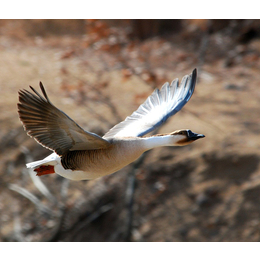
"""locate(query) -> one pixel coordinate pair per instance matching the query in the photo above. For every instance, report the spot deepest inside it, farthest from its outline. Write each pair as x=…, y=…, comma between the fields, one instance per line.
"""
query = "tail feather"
x=49, y=160
x=35, y=164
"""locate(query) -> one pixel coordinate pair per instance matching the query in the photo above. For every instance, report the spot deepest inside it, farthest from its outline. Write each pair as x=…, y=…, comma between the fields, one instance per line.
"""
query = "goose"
x=83, y=155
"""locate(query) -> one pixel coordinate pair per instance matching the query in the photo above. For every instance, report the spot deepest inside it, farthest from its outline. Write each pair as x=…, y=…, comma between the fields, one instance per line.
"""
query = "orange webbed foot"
x=44, y=169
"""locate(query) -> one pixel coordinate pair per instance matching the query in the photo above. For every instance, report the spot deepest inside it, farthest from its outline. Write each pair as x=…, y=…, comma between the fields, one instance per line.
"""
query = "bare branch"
x=27, y=194
x=17, y=230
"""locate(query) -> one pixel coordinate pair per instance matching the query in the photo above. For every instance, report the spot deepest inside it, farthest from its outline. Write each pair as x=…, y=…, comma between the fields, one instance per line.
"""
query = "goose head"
x=185, y=136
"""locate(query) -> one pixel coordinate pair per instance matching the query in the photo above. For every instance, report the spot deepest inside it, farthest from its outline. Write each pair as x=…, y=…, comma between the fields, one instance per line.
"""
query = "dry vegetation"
x=98, y=72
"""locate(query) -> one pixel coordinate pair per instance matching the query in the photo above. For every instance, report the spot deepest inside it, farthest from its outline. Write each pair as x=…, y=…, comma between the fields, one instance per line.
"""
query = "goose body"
x=82, y=155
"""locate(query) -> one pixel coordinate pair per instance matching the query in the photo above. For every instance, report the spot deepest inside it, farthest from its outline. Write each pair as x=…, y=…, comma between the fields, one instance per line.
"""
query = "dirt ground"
x=98, y=73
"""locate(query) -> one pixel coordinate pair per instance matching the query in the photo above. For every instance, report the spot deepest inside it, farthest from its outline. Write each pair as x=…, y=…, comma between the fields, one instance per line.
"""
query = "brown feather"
x=51, y=127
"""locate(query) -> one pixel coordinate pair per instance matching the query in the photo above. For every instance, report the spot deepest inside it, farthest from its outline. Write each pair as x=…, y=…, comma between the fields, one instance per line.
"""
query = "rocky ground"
x=98, y=74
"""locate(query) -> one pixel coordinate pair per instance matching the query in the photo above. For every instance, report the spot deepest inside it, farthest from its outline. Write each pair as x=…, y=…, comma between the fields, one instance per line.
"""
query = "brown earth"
x=98, y=74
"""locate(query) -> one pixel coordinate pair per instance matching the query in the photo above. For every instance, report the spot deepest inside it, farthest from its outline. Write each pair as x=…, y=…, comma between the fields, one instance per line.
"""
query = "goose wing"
x=51, y=127
x=157, y=108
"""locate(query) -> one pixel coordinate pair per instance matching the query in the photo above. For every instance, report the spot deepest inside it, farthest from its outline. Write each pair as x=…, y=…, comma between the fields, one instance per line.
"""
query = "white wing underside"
x=157, y=108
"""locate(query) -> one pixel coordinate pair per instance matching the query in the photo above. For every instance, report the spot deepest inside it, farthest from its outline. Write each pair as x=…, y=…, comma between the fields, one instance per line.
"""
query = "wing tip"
x=193, y=80
x=44, y=92
x=194, y=75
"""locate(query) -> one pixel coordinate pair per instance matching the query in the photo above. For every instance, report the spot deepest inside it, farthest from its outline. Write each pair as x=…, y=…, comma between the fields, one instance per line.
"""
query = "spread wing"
x=157, y=108
x=51, y=127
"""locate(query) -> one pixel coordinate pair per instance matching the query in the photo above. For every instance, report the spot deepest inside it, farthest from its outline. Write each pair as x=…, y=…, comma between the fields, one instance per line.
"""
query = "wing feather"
x=51, y=127
x=157, y=108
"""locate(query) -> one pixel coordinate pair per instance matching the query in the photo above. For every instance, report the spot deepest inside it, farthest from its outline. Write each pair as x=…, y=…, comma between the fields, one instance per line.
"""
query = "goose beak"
x=193, y=136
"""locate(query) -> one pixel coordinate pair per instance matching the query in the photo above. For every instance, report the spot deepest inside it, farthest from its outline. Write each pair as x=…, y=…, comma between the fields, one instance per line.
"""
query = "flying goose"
x=82, y=155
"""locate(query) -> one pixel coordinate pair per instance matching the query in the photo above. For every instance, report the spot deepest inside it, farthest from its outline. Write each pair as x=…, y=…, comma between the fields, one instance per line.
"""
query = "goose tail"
x=49, y=160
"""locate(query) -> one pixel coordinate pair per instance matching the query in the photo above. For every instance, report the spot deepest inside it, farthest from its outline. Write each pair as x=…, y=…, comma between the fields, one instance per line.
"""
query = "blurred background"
x=99, y=72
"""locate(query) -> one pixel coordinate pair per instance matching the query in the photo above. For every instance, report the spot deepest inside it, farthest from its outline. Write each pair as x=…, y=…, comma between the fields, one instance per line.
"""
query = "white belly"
x=99, y=166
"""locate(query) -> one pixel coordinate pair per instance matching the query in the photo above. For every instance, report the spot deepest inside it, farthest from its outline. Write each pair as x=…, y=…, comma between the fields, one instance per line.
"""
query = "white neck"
x=160, y=140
